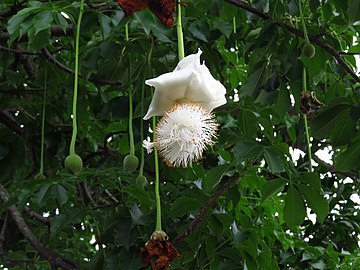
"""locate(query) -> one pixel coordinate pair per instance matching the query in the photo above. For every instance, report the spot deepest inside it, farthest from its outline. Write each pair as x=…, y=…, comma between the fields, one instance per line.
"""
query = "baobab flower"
x=185, y=98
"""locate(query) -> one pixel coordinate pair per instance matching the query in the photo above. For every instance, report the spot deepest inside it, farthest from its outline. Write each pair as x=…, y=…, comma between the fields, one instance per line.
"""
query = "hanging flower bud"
x=73, y=163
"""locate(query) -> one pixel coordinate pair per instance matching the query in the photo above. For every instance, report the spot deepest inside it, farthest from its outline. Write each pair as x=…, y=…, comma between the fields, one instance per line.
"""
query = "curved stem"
x=306, y=124
x=131, y=133
x=156, y=158
x=142, y=152
x=180, y=34
x=234, y=25
x=308, y=141
x=41, y=171
x=77, y=41
x=157, y=184
x=303, y=23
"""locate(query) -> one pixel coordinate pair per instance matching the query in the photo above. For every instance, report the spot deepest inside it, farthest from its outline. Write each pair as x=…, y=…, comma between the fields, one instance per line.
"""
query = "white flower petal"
x=205, y=90
x=189, y=60
x=149, y=146
x=190, y=82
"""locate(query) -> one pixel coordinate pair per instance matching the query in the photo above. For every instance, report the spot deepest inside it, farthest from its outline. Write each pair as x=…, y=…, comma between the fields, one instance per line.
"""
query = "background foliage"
x=100, y=218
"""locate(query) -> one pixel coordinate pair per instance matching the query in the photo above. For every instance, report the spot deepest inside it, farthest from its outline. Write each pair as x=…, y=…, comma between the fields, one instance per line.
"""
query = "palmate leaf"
x=349, y=159
x=271, y=187
x=294, y=210
x=315, y=200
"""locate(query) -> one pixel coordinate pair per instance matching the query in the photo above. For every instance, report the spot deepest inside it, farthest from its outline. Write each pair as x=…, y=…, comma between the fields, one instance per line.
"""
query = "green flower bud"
x=141, y=181
x=73, y=163
x=40, y=176
x=130, y=163
x=308, y=50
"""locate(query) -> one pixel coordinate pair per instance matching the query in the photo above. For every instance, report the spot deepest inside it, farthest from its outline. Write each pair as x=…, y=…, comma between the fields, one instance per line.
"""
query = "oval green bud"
x=141, y=181
x=308, y=50
x=130, y=163
x=73, y=163
x=40, y=176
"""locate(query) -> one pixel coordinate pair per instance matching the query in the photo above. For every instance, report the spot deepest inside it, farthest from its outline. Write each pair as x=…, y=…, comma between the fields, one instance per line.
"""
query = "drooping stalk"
x=158, y=226
x=131, y=134
x=41, y=171
x=180, y=36
x=157, y=183
x=142, y=152
x=303, y=23
x=234, y=25
x=306, y=124
x=76, y=79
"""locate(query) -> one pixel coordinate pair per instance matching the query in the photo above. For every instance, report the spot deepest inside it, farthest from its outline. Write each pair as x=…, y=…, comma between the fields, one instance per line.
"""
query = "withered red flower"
x=163, y=9
x=158, y=254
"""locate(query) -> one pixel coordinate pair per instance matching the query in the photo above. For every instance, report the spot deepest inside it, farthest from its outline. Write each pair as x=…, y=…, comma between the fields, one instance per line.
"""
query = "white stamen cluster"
x=183, y=134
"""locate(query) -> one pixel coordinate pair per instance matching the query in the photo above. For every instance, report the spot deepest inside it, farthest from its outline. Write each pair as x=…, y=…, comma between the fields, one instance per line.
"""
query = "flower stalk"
x=131, y=133
x=306, y=124
x=41, y=170
x=303, y=23
x=180, y=35
x=158, y=226
x=76, y=80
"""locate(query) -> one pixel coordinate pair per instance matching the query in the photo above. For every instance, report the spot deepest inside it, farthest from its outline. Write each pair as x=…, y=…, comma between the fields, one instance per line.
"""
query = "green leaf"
x=42, y=21
x=312, y=179
x=275, y=159
x=41, y=195
x=349, y=159
x=283, y=102
x=184, y=205
x=61, y=21
x=328, y=118
x=253, y=83
x=213, y=177
x=248, y=123
x=354, y=11
x=199, y=29
x=271, y=187
x=315, y=201
x=140, y=194
x=137, y=216
x=246, y=150
x=294, y=210
x=105, y=23
x=344, y=130
x=61, y=194
x=40, y=40
x=96, y=262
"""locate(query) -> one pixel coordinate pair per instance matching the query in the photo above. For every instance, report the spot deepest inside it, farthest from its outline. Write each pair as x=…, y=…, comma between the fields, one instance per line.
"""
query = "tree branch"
x=3, y=48
x=53, y=60
x=30, y=237
x=2, y=234
x=200, y=216
x=317, y=40
x=55, y=30
x=330, y=168
x=95, y=6
x=7, y=121
x=36, y=216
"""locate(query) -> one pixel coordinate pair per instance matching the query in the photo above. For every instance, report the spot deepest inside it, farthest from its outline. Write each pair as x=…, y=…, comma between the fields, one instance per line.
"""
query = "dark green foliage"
x=101, y=216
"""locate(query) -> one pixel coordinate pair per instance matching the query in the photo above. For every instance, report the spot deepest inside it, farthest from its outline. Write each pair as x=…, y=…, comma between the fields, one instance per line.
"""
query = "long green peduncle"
x=41, y=171
x=131, y=133
x=180, y=36
x=76, y=79
x=306, y=124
